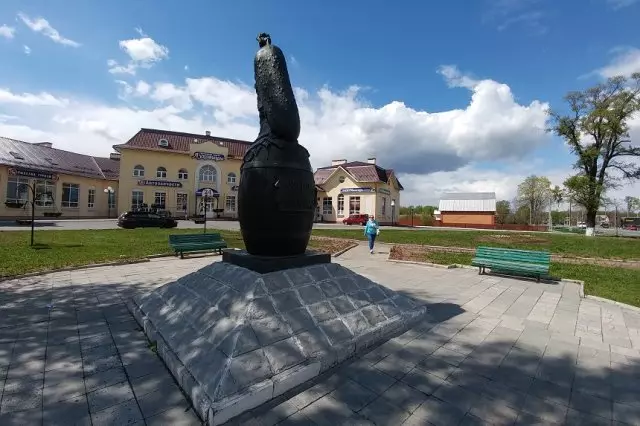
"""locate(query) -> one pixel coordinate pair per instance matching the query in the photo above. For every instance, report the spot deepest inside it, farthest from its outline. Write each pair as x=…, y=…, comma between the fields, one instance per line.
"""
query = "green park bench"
x=182, y=243
x=512, y=261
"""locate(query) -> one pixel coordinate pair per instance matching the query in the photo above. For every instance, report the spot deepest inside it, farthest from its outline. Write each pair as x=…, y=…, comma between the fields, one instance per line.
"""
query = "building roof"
x=42, y=156
x=359, y=171
x=468, y=202
x=180, y=142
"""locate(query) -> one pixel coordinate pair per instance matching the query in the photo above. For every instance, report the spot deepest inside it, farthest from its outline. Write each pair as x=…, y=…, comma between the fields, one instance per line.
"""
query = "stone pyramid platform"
x=234, y=339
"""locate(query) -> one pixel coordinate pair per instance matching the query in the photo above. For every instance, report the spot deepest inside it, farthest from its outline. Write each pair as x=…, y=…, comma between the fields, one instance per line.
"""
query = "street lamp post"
x=32, y=188
x=393, y=211
x=411, y=212
x=206, y=193
x=109, y=191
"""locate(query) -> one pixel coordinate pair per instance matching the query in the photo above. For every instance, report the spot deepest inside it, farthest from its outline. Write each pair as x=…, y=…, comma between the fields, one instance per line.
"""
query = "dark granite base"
x=266, y=264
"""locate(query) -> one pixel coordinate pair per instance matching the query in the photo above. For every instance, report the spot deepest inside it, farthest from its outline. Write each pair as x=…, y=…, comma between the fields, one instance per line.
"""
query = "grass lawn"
x=561, y=244
x=58, y=249
x=619, y=284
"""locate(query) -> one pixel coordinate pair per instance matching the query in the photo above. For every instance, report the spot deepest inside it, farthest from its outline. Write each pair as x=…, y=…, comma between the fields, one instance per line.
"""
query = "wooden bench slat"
x=520, y=261
x=182, y=243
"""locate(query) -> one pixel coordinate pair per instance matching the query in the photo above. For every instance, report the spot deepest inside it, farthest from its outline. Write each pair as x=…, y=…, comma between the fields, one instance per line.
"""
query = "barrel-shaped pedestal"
x=276, y=207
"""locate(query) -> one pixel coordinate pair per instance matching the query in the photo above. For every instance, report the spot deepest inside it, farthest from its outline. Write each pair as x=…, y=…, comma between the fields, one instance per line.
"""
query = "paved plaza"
x=493, y=351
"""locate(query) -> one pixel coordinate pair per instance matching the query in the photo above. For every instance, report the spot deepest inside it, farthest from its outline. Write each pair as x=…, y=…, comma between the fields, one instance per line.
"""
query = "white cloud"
x=625, y=62
x=30, y=99
x=526, y=14
x=143, y=52
x=42, y=26
x=431, y=151
x=7, y=31
x=27, y=49
x=619, y=4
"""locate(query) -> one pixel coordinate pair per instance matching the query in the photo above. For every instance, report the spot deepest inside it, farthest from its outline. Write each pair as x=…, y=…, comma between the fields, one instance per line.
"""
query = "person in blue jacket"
x=371, y=230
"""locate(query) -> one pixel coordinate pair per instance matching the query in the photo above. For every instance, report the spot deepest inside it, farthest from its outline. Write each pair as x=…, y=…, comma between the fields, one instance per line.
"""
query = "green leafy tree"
x=534, y=192
x=503, y=210
x=597, y=132
x=632, y=204
x=557, y=194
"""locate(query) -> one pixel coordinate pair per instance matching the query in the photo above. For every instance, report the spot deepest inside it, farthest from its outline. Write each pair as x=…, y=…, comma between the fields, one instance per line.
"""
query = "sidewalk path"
x=493, y=351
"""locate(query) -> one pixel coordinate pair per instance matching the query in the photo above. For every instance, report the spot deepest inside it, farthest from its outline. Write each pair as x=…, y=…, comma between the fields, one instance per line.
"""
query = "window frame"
x=68, y=204
x=352, y=200
x=137, y=206
x=327, y=205
x=91, y=204
x=138, y=171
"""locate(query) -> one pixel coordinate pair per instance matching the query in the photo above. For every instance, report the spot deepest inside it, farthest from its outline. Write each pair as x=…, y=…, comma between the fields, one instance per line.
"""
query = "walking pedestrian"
x=371, y=230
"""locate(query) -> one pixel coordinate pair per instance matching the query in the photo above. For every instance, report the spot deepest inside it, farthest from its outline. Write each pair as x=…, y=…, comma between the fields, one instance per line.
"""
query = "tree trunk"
x=591, y=221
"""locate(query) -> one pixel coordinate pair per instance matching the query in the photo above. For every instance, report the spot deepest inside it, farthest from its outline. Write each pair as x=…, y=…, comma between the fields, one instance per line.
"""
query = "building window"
x=341, y=179
x=230, y=203
x=160, y=200
x=208, y=174
x=183, y=174
x=327, y=207
x=231, y=178
x=45, y=193
x=138, y=171
x=17, y=190
x=354, y=205
x=182, y=202
x=111, y=200
x=384, y=206
x=161, y=172
x=91, y=200
x=341, y=205
x=70, y=195
x=137, y=199
x=163, y=143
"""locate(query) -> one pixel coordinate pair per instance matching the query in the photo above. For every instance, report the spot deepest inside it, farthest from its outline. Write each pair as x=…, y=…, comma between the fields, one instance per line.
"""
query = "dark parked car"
x=130, y=220
x=356, y=219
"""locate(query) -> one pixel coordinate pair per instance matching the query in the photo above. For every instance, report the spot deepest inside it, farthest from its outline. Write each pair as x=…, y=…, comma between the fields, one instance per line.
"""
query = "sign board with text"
x=207, y=156
x=166, y=183
x=36, y=174
x=356, y=190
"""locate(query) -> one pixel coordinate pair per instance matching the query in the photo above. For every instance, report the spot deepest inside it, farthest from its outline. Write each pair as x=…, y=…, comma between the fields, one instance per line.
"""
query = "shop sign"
x=354, y=190
x=384, y=191
x=168, y=183
x=207, y=192
x=207, y=156
x=37, y=174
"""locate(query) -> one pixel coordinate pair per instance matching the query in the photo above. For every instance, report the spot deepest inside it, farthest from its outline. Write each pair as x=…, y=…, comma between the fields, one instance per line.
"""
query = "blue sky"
x=450, y=93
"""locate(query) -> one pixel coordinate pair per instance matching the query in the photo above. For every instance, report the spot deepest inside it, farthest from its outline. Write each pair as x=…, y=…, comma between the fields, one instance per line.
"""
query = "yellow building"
x=66, y=184
x=348, y=188
x=174, y=171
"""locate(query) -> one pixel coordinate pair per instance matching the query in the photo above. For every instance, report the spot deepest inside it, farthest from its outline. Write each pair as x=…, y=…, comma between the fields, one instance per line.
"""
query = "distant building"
x=471, y=208
x=66, y=184
x=356, y=187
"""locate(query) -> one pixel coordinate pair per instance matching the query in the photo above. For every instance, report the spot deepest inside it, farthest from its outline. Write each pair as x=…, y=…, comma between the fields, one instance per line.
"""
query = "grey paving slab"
x=520, y=351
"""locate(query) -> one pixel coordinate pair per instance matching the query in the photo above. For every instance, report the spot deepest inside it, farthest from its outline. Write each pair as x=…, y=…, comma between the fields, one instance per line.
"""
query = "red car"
x=356, y=219
x=630, y=228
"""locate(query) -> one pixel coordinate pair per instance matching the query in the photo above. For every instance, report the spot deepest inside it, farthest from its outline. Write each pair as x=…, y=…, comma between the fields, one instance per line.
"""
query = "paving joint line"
x=126, y=374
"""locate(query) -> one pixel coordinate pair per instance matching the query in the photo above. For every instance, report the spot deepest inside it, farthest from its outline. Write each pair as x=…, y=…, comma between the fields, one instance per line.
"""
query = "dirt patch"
x=330, y=245
x=515, y=238
x=401, y=252
x=417, y=253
